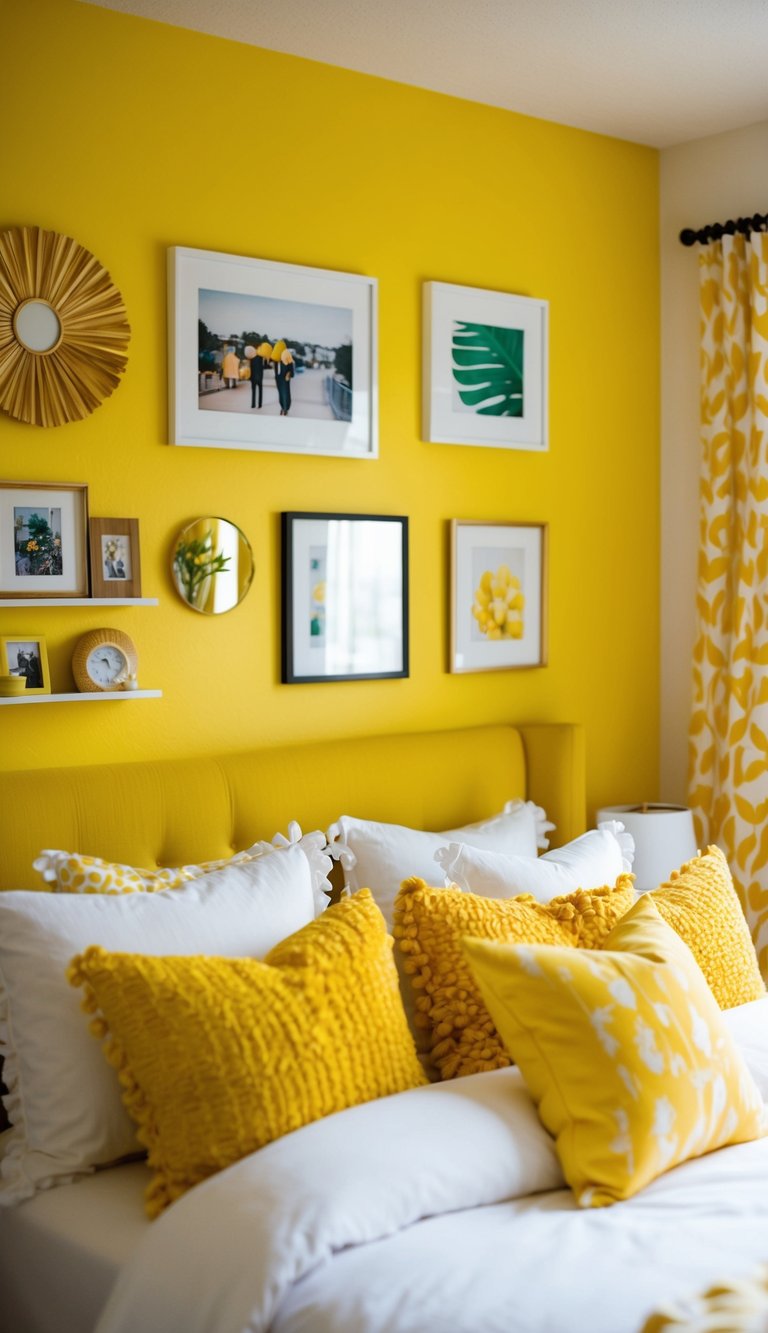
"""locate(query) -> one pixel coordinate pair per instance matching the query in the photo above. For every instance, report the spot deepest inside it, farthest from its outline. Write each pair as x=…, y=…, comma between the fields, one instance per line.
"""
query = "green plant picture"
x=488, y=368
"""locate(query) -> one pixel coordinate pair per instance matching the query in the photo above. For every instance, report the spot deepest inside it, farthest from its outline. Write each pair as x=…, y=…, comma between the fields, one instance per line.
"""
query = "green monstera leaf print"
x=488, y=367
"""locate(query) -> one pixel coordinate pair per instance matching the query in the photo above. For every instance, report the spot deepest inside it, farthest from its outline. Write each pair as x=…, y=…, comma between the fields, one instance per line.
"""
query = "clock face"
x=106, y=665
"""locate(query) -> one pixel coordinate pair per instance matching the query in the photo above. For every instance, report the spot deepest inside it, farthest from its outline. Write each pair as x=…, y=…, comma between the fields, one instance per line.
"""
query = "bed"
x=443, y=1206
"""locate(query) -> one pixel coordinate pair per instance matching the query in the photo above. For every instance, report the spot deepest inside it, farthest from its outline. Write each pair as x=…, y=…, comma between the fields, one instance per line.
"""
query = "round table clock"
x=104, y=659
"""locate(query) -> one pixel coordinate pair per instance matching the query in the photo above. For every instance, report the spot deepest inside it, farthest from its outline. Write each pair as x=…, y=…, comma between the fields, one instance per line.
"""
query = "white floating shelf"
x=78, y=698
x=8, y=603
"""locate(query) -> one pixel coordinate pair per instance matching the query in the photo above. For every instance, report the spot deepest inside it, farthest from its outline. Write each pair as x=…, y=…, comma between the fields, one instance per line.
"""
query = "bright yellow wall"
x=138, y=137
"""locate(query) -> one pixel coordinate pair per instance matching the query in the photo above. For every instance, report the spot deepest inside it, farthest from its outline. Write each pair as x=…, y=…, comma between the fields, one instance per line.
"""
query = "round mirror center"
x=37, y=326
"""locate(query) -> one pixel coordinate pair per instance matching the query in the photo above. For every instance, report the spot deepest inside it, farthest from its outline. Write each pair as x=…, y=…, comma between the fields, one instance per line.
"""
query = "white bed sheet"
x=442, y=1209
x=61, y=1251
x=320, y=1233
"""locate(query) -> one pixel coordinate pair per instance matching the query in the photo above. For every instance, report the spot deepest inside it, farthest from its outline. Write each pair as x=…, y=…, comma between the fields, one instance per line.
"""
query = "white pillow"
x=380, y=856
x=63, y=1098
x=72, y=872
x=594, y=859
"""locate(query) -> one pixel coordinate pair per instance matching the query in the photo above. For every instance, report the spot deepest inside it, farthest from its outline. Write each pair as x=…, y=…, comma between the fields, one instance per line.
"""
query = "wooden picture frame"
x=115, y=558
x=26, y=655
x=498, y=596
x=344, y=597
x=43, y=539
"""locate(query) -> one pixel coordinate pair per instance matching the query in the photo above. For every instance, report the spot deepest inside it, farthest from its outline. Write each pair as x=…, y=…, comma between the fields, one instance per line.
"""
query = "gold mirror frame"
x=68, y=380
x=212, y=565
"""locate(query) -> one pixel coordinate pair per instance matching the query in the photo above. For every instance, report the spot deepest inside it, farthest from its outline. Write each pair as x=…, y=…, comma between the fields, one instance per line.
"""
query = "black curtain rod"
x=759, y=222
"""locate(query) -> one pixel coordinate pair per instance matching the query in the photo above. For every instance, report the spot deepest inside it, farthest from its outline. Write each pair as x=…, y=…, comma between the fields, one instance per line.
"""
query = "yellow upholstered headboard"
x=169, y=812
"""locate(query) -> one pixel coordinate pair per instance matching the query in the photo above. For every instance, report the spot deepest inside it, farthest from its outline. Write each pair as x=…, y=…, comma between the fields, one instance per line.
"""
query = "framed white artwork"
x=271, y=357
x=345, y=597
x=498, y=596
x=485, y=368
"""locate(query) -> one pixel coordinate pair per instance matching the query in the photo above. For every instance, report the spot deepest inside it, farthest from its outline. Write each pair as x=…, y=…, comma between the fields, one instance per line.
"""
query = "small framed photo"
x=345, y=597
x=115, y=557
x=485, y=368
x=498, y=596
x=269, y=356
x=28, y=657
x=43, y=539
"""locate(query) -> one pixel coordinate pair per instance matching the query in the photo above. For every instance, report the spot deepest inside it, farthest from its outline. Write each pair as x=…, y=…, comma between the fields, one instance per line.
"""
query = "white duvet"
x=442, y=1209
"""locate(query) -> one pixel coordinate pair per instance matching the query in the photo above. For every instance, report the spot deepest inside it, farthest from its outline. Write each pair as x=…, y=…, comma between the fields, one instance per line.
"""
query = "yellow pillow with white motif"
x=219, y=1056
x=624, y=1051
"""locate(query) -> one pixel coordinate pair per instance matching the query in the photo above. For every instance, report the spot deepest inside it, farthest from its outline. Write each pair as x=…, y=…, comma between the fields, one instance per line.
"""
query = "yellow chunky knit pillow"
x=702, y=905
x=624, y=1050
x=219, y=1056
x=429, y=927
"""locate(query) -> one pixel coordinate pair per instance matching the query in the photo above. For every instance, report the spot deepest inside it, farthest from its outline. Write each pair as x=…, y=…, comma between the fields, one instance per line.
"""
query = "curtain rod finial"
x=688, y=236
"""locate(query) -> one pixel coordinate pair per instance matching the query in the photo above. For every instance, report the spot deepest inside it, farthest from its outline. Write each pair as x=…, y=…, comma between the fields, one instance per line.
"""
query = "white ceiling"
x=657, y=72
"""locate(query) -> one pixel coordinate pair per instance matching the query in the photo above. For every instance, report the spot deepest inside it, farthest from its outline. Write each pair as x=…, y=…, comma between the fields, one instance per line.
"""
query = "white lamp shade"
x=664, y=839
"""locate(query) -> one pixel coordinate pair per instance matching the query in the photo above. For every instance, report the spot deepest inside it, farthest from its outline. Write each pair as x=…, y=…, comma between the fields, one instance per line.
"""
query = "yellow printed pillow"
x=730, y=1307
x=219, y=1056
x=624, y=1051
x=73, y=872
x=702, y=905
x=429, y=927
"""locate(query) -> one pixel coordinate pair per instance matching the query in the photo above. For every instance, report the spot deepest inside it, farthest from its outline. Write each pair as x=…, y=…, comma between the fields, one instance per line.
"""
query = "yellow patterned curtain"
x=729, y=726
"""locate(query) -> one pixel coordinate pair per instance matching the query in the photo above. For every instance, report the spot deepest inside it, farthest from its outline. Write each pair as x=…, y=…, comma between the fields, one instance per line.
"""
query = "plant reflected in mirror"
x=212, y=565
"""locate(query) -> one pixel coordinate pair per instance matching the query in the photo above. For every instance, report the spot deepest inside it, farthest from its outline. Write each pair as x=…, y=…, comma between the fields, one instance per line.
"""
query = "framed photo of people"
x=115, y=558
x=271, y=357
x=26, y=655
x=43, y=539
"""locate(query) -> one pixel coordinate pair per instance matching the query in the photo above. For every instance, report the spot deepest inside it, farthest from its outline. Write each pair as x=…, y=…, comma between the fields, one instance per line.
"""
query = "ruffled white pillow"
x=379, y=856
x=589, y=862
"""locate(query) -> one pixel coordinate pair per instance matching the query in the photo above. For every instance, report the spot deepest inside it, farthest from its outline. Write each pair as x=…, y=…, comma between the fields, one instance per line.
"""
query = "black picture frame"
x=317, y=551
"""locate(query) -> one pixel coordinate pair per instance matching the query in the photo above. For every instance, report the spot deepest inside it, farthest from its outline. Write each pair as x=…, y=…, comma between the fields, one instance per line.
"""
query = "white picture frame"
x=498, y=595
x=333, y=393
x=485, y=368
x=43, y=539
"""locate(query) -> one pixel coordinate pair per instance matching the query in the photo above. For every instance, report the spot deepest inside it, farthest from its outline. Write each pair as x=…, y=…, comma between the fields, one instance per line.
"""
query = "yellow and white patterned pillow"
x=624, y=1051
x=219, y=1056
x=74, y=872
x=740, y=1306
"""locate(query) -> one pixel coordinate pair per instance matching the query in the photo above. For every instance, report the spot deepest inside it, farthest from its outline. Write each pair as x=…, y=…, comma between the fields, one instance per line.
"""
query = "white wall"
x=708, y=180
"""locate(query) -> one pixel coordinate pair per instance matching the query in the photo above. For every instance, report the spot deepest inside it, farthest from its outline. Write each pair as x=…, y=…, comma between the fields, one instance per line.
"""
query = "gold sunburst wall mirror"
x=63, y=328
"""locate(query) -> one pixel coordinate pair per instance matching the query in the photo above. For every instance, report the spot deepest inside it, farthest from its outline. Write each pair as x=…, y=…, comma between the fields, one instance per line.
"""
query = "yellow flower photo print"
x=498, y=577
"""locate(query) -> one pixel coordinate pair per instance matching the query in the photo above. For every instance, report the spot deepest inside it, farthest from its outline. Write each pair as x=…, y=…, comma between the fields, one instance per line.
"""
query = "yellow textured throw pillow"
x=624, y=1052
x=702, y=905
x=219, y=1056
x=429, y=927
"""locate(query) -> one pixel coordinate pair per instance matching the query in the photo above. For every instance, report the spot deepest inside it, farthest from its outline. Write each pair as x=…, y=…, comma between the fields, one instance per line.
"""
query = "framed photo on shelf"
x=485, y=368
x=114, y=557
x=43, y=539
x=26, y=656
x=344, y=597
x=498, y=596
x=275, y=357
